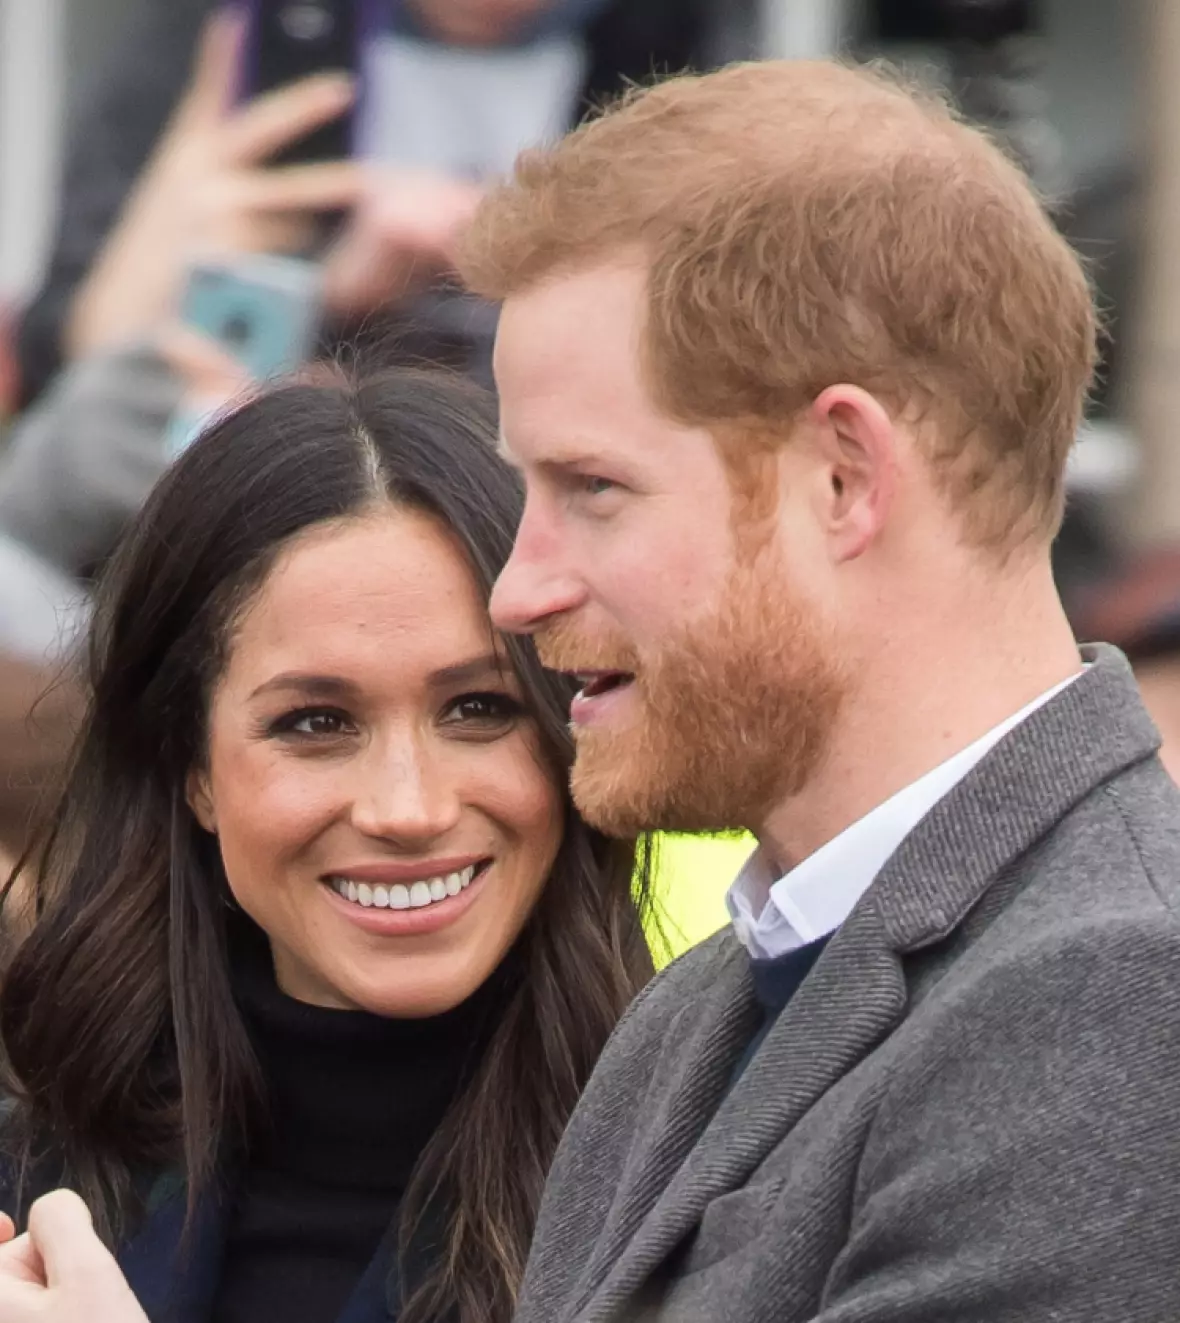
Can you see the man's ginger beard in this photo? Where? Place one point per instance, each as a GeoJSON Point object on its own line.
{"type": "Point", "coordinates": [732, 714]}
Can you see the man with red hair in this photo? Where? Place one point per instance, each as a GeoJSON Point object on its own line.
{"type": "Point", "coordinates": [791, 360]}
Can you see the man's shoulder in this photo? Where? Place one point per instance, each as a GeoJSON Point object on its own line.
{"type": "Point", "coordinates": [1117, 854]}
{"type": "Point", "coordinates": [1081, 939]}
{"type": "Point", "coordinates": [635, 1045]}
{"type": "Point", "coordinates": [684, 978]}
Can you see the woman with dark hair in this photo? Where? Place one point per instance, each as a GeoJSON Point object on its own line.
{"type": "Point", "coordinates": [320, 954]}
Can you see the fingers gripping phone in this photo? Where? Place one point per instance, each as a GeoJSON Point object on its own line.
{"type": "Point", "coordinates": [286, 40]}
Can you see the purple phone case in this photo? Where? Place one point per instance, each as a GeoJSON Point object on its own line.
{"type": "Point", "coordinates": [372, 18]}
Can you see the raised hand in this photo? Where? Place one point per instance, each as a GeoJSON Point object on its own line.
{"type": "Point", "coordinates": [207, 190]}
{"type": "Point", "coordinates": [403, 234]}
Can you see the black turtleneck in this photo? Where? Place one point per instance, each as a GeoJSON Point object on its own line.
{"type": "Point", "coordinates": [352, 1101]}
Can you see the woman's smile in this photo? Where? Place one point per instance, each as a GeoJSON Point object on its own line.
{"type": "Point", "coordinates": [430, 897]}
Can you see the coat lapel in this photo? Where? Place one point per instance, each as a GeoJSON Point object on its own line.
{"type": "Point", "coordinates": [175, 1278]}
{"type": "Point", "coordinates": [700, 1143]}
{"type": "Point", "coordinates": [369, 1302]}
{"type": "Point", "coordinates": [176, 1281]}
{"type": "Point", "coordinates": [700, 1050]}
{"type": "Point", "coordinates": [852, 999]}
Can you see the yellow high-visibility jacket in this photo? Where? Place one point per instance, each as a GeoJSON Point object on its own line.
{"type": "Point", "coordinates": [692, 875]}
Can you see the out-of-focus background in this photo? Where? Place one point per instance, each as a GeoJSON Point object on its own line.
{"type": "Point", "coordinates": [95, 391]}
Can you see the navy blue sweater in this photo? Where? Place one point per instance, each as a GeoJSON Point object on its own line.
{"type": "Point", "coordinates": [775, 983]}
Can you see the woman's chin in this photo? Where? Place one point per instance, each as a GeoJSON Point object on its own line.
{"type": "Point", "coordinates": [405, 987]}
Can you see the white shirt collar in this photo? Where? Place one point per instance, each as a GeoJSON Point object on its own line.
{"type": "Point", "coordinates": [772, 917]}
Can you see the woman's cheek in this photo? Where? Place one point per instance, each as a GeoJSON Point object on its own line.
{"type": "Point", "coordinates": [271, 806]}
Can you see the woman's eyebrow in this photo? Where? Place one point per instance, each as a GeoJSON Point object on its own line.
{"type": "Point", "coordinates": [326, 686]}
{"type": "Point", "coordinates": [487, 667]}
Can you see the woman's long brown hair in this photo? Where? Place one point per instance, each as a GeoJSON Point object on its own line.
{"type": "Point", "coordinates": [123, 1046]}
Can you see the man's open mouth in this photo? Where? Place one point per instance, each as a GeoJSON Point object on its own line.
{"type": "Point", "coordinates": [596, 683]}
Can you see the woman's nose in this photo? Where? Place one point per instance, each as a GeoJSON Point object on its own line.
{"type": "Point", "coordinates": [405, 794]}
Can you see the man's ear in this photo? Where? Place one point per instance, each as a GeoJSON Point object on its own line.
{"type": "Point", "coordinates": [859, 445]}
{"type": "Point", "coordinates": [200, 800]}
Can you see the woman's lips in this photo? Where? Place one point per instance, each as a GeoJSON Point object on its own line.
{"type": "Point", "coordinates": [413, 913]}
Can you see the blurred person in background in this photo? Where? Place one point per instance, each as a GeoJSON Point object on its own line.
{"type": "Point", "coordinates": [322, 954]}
{"type": "Point", "coordinates": [1136, 606]}
{"type": "Point", "coordinates": [153, 182]}
{"type": "Point", "coordinates": [457, 88]}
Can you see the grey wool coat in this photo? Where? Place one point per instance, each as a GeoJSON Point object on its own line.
{"type": "Point", "coordinates": [969, 1112]}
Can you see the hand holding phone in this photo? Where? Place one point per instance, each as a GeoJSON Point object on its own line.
{"type": "Point", "coordinates": [287, 41]}
{"type": "Point", "coordinates": [402, 237]}
{"type": "Point", "coordinates": [209, 188]}
{"type": "Point", "coordinates": [263, 312]}
{"type": "Point", "coordinates": [242, 321]}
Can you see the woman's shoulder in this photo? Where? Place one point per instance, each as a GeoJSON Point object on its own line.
{"type": "Point", "coordinates": [18, 1177]}
{"type": "Point", "coordinates": [25, 1176]}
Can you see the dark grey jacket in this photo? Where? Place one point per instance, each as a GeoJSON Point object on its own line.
{"type": "Point", "coordinates": [971, 1109]}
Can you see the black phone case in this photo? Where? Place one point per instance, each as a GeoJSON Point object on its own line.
{"type": "Point", "coordinates": [287, 40]}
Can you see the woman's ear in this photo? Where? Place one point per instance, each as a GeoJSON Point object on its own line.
{"type": "Point", "coordinates": [200, 800]}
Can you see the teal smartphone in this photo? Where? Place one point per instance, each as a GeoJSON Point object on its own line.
{"type": "Point", "coordinates": [264, 311]}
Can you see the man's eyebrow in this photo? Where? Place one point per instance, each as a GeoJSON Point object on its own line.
{"type": "Point", "coordinates": [577, 453]}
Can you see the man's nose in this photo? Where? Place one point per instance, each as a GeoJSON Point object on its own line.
{"type": "Point", "coordinates": [535, 584]}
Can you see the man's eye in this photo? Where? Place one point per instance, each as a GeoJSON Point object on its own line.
{"type": "Point", "coordinates": [597, 486]}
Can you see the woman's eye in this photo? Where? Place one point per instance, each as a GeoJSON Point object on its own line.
{"type": "Point", "coordinates": [322, 722]}
{"type": "Point", "coordinates": [483, 710]}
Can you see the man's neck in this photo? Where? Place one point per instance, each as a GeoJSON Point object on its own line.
{"type": "Point", "coordinates": [920, 703]}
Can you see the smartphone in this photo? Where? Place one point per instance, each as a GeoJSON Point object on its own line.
{"type": "Point", "coordinates": [264, 311]}
{"type": "Point", "coordinates": [286, 40]}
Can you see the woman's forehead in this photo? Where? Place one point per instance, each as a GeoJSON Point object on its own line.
{"type": "Point", "coordinates": [363, 595]}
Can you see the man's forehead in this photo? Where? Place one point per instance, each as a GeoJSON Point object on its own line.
{"type": "Point", "coordinates": [569, 326]}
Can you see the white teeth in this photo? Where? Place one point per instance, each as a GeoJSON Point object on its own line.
{"type": "Point", "coordinates": [399, 896]}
